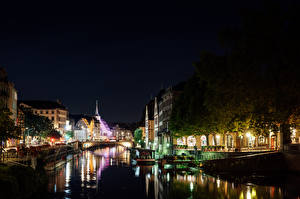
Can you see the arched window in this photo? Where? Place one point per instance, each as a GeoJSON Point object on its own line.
{"type": "Point", "coordinates": [261, 139]}
{"type": "Point", "coordinates": [229, 141]}
{"type": "Point", "coordinates": [203, 140]}
{"type": "Point", "coordinates": [181, 141]}
{"type": "Point", "coordinates": [191, 141]}
{"type": "Point", "coordinates": [218, 140]}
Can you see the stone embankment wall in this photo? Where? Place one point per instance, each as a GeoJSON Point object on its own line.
{"type": "Point", "coordinates": [207, 155]}
{"type": "Point", "coordinates": [264, 162]}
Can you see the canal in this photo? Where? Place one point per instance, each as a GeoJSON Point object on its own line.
{"type": "Point", "coordinates": [108, 173]}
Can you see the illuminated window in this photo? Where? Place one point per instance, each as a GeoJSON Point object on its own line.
{"type": "Point", "coordinates": [181, 141]}
{"type": "Point", "coordinates": [203, 140]}
{"type": "Point", "coordinates": [261, 139]}
{"type": "Point", "coordinates": [218, 138]}
{"type": "Point", "coordinates": [191, 141]}
{"type": "Point", "coordinates": [229, 141]}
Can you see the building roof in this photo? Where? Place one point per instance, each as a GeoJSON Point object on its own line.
{"type": "Point", "coordinates": [77, 117]}
{"type": "Point", "coordinates": [43, 104]}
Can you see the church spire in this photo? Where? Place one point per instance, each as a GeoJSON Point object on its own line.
{"type": "Point", "coordinates": [96, 112]}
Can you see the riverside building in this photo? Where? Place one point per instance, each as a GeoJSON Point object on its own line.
{"type": "Point", "coordinates": [53, 110]}
{"type": "Point", "coordinates": [8, 99]}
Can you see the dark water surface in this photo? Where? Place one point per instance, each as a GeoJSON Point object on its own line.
{"type": "Point", "coordinates": [108, 173]}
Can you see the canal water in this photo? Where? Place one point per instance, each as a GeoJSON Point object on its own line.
{"type": "Point", "coordinates": [108, 173]}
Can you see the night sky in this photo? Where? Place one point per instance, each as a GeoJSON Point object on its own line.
{"type": "Point", "coordinates": [120, 54]}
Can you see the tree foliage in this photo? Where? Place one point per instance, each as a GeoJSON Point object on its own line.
{"type": "Point", "coordinates": [255, 85]}
{"type": "Point", "coordinates": [8, 129]}
{"type": "Point", "coordinates": [36, 125]}
{"type": "Point", "coordinates": [138, 136]}
{"type": "Point", "coordinates": [70, 134]}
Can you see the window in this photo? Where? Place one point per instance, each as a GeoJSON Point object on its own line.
{"type": "Point", "coordinates": [52, 118]}
{"type": "Point", "coordinates": [41, 112]}
{"type": "Point", "coordinates": [229, 141]}
{"type": "Point", "coordinates": [191, 141]}
{"type": "Point", "coordinates": [181, 141]}
{"type": "Point", "coordinates": [203, 140]}
{"type": "Point", "coordinates": [52, 112]}
{"type": "Point", "coordinates": [261, 139]}
{"type": "Point", "coordinates": [218, 138]}
{"type": "Point", "coordinates": [46, 112]}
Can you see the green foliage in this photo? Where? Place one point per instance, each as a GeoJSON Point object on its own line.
{"type": "Point", "coordinates": [22, 182]}
{"type": "Point", "coordinates": [255, 85]}
{"type": "Point", "coordinates": [70, 134]}
{"type": "Point", "coordinates": [138, 136]}
{"type": "Point", "coordinates": [8, 129]}
{"type": "Point", "coordinates": [36, 125]}
{"type": "Point", "coordinates": [189, 114]}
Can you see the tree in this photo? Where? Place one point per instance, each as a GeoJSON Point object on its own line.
{"type": "Point", "coordinates": [254, 85]}
{"type": "Point", "coordinates": [138, 136]}
{"type": "Point", "coordinates": [54, 134]}
{"type": "Point", "coordinates": [69, 134]}
{"type": "Point", "coordinates": [189, 112]}
{"type": "Point", "coordinates": [8, 129]}
{"type": "Point", "coordinates": [36, 125]}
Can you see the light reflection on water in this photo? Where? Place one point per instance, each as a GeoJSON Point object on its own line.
{"type": "Point", "coordinates": [92, 174]}
{"type": "Point", "coordinates": [162, 185]}
{"type": "Point", "coordinates": [80, 176]}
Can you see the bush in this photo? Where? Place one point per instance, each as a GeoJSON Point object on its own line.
{"type": "Point", "coordinates": [20, 182]}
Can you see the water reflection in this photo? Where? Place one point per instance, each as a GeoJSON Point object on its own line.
{"type": "Point", "coordinates": [79, 177]}
{"type": "Point", "coordinates": [107, 173]}
{"type": "Point", "coordinates": [160, 185]}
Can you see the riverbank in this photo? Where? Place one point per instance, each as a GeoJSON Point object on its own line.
{"type": "Point", "coordinates": [271, 162]}
{"type": "Point", "coordinates": [23, 182]}
{"type": "Point", "coordinates": [60, 159]}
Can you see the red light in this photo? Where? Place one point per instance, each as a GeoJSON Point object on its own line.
{"type": "Point", "coordinates": [52, 139]}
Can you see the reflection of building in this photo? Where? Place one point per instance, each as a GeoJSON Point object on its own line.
{"type": "Point", "coordinates": [54, 111]}
{"type": "Point", "coordinates": [121, 133]}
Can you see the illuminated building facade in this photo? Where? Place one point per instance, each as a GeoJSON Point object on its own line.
{"type": "Point", "coordinates": [155, 146]}
{"type": "Point", "coordinates": [8, 94]}
{"type": "Point", "coordinates": [8, 99]}
{"type": "Point", "coordinates": [149, 125]}
{"type": "Point", "coordinates": [85, 127]}
{"type": "Point", "coordinates": [54, 111]}
{"type": "Point", "coordinates": [146, 128]}
{"type": "Point", "coordinates": [122, 133]}
{"type": "Point", "coordinates": [143, 131]}
{"type": "Point", "coordinates": [230, 142]}
{"type": "Point", "coordinates": [165, 104]}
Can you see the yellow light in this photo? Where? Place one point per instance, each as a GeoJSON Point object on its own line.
{"type": "Point", "coordinates": [127, 144]}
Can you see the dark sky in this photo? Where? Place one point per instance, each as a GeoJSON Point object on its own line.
{"type": "Point", "coordinates": [120, 54]}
